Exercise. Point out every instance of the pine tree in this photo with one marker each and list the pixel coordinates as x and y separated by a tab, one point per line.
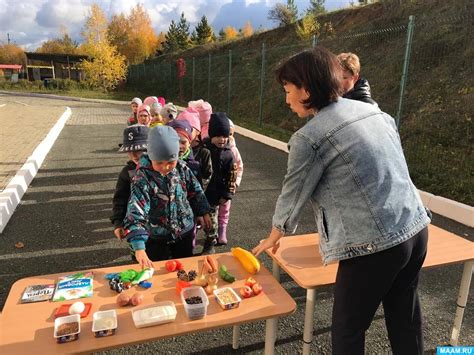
317	7
183	39
290	4
222	35
171	44
203	32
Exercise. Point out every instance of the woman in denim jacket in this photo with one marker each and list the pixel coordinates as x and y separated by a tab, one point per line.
348	161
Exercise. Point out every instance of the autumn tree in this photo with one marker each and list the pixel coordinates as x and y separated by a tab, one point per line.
283	14
230	33
133	36
119	30
247	30
12	54
308	26
107	67
203	33
143	39
63	45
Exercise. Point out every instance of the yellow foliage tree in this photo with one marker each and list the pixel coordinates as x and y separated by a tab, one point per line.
230	33
247	30
308	26
133	35
107	67
12	54
63	45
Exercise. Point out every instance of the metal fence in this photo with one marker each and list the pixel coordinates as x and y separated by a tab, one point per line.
419	72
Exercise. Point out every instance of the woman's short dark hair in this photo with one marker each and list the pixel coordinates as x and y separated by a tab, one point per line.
318	71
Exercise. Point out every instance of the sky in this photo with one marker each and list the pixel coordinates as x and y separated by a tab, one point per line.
31	22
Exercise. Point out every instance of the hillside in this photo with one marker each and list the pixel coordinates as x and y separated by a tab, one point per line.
436	121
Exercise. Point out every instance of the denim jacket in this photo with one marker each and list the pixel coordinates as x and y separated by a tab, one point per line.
162	206
349	162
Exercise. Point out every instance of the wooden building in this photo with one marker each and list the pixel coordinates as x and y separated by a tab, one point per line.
40	66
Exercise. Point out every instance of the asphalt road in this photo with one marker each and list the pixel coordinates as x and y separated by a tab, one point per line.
63	223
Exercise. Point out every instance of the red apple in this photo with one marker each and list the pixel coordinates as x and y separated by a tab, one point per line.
246	292
250	282
257	288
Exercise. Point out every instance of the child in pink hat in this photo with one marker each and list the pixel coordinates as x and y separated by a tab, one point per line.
150	100
205	110
144	115
201	153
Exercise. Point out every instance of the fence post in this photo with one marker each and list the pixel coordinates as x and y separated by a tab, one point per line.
209	80
230	82
262	82
194	73
406	63
170	81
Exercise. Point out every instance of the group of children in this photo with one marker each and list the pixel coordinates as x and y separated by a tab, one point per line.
182	173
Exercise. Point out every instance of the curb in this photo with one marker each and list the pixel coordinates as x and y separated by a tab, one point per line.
11	196
66	98
454	210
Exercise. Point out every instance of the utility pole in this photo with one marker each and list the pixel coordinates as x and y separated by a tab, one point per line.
8	38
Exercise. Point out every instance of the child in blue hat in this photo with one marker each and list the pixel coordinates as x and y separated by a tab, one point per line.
166	199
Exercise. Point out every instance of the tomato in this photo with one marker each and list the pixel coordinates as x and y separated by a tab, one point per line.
257	288
246	292
250	282
179	265
182	284
171	265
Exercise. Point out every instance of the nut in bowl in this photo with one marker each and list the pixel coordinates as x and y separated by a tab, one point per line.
67	328
227	298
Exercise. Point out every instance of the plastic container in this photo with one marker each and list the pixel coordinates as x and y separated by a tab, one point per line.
73	334
195	311
158	313
227	298
104	323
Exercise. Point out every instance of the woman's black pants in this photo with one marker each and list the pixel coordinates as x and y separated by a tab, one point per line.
389	277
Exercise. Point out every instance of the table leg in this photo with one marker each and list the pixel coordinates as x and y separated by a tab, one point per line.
276	270
274	322
462	300
270	335
235	336
308	320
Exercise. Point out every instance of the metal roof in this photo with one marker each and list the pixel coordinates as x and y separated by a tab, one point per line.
58	58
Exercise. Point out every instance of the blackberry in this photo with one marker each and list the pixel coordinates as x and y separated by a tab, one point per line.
192	274
193	300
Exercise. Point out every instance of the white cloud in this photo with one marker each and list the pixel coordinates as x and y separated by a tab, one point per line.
31	22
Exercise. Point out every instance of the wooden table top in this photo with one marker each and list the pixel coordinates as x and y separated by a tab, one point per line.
25	327
299	256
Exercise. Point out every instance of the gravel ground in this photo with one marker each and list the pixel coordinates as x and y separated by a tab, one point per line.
63	222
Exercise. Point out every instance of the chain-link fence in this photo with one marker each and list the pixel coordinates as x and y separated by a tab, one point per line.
420	73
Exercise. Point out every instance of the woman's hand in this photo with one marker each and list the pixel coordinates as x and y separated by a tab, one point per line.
273	241
142	259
